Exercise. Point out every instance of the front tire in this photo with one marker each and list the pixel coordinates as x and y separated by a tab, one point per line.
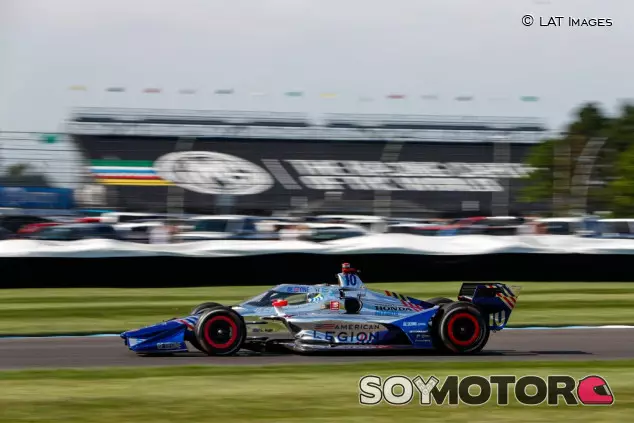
220	331
461	328
204	306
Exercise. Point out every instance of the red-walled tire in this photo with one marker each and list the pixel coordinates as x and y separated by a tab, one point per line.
440	300
461	329
220	331
204	306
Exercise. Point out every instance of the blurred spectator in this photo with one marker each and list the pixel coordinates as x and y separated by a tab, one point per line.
294	232
173	230
289	232
160	234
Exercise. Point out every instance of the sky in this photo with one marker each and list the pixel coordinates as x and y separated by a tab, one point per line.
354	48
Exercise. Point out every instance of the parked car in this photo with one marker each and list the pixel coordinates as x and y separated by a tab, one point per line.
615	228
14	222
415	229
318	232
207	228
76	231
141	231
371	223
495	225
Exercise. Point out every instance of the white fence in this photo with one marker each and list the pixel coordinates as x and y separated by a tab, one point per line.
373	244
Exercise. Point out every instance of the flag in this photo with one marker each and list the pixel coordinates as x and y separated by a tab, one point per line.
464	98
396	96
294	94
187	91
429	97
529	98
78	88
328	95
49	138
115	89
152	90
224	91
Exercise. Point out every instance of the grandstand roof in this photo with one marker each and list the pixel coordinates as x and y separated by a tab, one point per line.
251	124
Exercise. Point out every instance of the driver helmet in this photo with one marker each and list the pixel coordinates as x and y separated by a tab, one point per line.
345	268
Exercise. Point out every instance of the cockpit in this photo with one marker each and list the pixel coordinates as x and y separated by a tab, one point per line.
276	294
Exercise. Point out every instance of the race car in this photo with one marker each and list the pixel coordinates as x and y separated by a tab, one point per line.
346	316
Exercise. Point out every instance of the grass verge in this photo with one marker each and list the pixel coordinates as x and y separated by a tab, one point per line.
91	310
309	393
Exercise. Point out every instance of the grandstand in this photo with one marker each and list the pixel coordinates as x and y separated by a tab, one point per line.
398	163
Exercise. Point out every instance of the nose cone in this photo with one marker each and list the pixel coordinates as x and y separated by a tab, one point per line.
594	390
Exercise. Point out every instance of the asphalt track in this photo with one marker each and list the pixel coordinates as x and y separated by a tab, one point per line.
509	345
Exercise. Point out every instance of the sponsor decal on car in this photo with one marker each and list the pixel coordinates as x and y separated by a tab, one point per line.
168	345
396	308
349	326
298	289
361	337
335	305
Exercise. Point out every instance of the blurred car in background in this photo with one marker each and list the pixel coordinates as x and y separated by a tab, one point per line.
495	225
371	223
123	217
414	229
554	226
76	231
209	228
4	234
615	228
320	232
14	222
140	231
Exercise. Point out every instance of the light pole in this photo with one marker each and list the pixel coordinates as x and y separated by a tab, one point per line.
383	199
583	172
176	194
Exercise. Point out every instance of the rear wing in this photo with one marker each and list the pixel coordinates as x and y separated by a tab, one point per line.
496	300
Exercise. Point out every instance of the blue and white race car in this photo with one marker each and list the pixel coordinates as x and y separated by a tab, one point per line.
342	317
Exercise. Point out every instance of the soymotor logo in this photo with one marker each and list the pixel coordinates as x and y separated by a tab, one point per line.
478	390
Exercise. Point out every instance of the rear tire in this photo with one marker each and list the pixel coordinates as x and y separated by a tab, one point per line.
460	328
440	300
220	331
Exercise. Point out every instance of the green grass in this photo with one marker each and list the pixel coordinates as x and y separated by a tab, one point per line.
311	393
31	311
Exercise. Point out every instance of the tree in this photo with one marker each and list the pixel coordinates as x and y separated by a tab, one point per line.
567	164
18	170
22	175
621	188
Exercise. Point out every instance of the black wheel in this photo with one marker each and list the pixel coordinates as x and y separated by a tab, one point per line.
202	307
220	331
196	344
460	328
440	300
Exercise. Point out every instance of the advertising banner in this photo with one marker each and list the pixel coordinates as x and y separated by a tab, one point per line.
36	198
271	174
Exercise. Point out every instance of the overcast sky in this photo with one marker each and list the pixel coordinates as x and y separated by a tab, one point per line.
354	48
